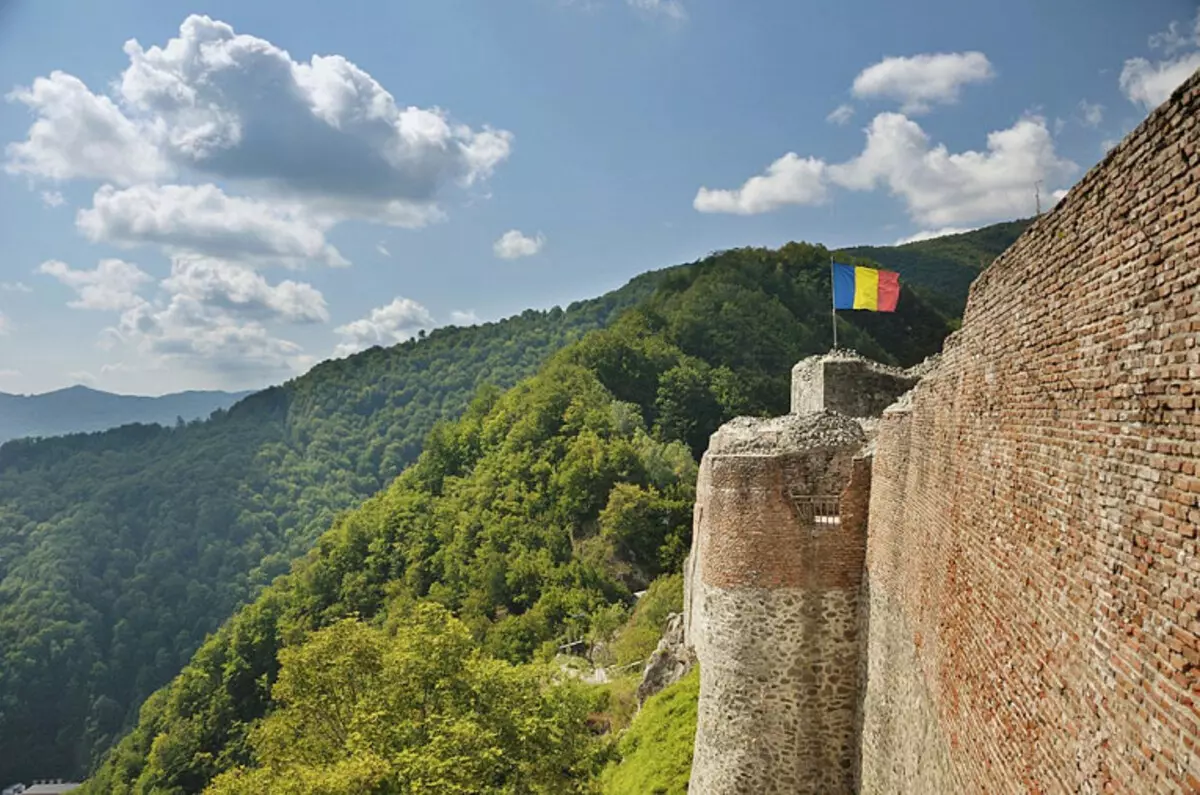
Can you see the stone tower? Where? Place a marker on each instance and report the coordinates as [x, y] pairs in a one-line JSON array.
[[773, 583]]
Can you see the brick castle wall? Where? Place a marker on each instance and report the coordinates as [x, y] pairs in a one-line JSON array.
[[1033, 582]]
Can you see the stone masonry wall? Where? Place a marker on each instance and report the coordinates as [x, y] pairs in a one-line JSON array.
[[772, 607], [1032, 568], [847, 383]]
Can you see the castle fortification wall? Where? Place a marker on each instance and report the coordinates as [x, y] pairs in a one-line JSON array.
[[1032, 569], [772, 607]]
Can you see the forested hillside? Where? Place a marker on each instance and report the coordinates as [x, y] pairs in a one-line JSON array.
[[120, 551], [79, 409], [534, 516]]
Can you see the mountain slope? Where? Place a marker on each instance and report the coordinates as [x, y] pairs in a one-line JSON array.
[[120, 551], [78, 409], [536, 514]]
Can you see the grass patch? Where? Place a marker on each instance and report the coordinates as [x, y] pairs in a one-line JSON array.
[[655, 753]]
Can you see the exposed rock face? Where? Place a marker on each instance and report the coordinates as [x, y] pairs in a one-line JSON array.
[[669, 663]]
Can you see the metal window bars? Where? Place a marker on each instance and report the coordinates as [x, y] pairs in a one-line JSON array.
[[819, 512]]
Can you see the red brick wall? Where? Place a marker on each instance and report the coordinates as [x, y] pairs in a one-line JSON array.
[[1032, 554]]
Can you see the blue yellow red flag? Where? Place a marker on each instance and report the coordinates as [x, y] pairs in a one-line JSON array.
[[856, 287]]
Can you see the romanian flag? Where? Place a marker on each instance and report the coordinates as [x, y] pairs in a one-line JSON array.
[[855, 287]]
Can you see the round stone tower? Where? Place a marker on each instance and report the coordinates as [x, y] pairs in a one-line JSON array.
[[772, 605]]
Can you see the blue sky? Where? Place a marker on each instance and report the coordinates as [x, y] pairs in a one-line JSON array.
[[209, 206]]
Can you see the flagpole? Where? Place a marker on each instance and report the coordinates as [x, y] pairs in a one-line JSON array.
[[833, 299]]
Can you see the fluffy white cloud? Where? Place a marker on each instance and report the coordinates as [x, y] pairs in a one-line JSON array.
[[921, 81], [238, 289], [385, 325], [930, 234], [52, 198], [15, 287], [1148, 83], [840, 115], [940, 188], [465, 318], [238, 108], [198, 336], [80, 134], [672, 9], [112, 285], [513, 244], [382, 249], [789, 180], [202, 219], [1091, 113]]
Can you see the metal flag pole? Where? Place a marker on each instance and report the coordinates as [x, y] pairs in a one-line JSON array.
[[833, 299]]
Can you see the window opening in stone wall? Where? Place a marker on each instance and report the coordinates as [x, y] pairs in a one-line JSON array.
[[821, 512]]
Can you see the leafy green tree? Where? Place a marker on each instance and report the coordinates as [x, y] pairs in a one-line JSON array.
[[420, 711]]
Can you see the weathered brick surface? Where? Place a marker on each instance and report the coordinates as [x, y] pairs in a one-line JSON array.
[[1032, 567]]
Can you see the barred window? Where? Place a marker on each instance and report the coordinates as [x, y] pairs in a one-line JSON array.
[[820, 511]]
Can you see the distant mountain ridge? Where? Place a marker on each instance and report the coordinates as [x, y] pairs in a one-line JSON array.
[[81, 409]]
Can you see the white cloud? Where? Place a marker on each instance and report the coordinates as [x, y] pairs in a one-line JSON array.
[[112, 286], [840, 115], [202, 219], [15, 287], [82, 377], [385, 325], [672, 9], [930, 234], [382, 249], [52, 198], [940, 188], [789, 180], [1176, 38], [465, 318], [196, 335], [921, 81], [80, 135], [1109, 144], [1091, 113], [238, 108], [240, 290], [513, 244], [1150, 84], [9, 373]]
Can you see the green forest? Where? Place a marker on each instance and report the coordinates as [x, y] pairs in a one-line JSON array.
[[534, 515]]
